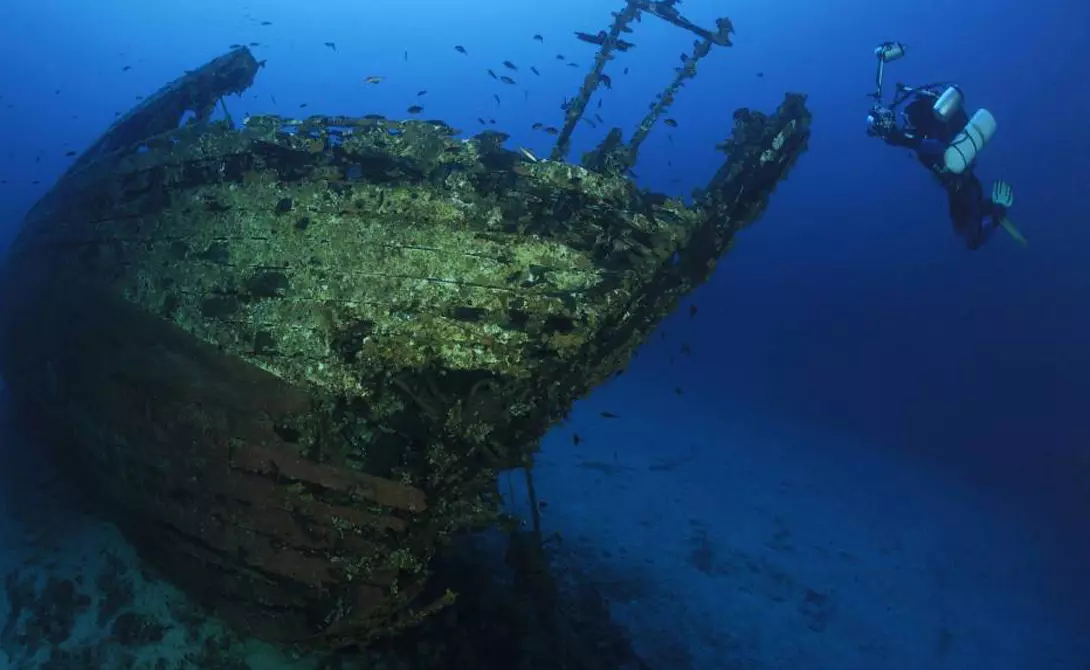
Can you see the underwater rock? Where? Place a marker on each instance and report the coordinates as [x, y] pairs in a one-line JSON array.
[[288, 357]]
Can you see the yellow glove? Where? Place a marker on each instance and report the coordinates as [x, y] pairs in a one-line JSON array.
[[1002, 194]]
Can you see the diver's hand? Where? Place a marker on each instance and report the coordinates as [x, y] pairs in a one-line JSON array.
[[1002, 194]]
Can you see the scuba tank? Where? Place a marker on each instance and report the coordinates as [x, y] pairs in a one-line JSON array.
[[967, 144], [948, 104]]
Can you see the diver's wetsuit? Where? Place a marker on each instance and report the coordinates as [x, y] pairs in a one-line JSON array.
[[974, 216]]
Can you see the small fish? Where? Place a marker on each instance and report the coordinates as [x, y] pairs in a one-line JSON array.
[[507, 80], [373, 79], [331, 45], [693, 310], [599, 103], [420, 93], [626, 70], [255, 44], [525, 152], [560, 56], [608, 415], [685, 350], [575, 439], [70, 153], [461, 49], [266, 23], [534, 70], [670, 122], [483, 122], [234, 46], [302, 105], [539, 38], [509, 65], [606, 80], [273, 98], [573, 64], [415, 109], [537, 126], [552, 130], [761, 75], [591, 39], [600, 39], [126, 68], [405, 56], [678, 391], [492, 74], [496, 97], [492, 122], [598, 118]]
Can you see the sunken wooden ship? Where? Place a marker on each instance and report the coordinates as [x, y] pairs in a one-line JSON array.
[[288, 357]]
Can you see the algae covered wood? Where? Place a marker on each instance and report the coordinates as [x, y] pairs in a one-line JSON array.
[[288, 356]]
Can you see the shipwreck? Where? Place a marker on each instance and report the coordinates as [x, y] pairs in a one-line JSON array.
[[288, 357]]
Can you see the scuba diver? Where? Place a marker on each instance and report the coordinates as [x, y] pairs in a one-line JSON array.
[[930, 120]]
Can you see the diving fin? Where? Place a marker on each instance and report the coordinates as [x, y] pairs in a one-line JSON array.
[[1012, 231]]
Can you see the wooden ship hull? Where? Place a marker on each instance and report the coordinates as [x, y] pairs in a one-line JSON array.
[[289, 357]]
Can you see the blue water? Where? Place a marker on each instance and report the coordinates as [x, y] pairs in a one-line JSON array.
[[879, 456]]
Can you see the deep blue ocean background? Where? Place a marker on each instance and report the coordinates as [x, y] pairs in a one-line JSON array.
[[874, 452]]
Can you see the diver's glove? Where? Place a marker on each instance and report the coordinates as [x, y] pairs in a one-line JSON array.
[[1002, 194]]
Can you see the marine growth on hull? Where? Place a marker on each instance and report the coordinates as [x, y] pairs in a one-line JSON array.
[[289, 356]]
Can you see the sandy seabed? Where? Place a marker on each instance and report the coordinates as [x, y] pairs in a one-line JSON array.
[[721, 546]]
